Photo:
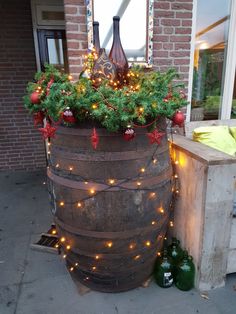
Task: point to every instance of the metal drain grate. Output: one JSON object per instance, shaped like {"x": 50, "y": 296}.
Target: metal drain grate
{"x": 48, "y": 242}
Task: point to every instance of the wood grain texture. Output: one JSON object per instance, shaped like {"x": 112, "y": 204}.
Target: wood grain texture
{"x": 127, "y": 217}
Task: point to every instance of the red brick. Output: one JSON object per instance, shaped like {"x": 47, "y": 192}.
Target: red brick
{"x": 70, "y": 10}
{"x": 180, "y": 38}
{"x": 162, "y": 5}
{"x": 187, "y": 22}
{"x": 181, "y": 6}
{"x": 168, "y": 30}
{"x": 181, "y": 61}
{"x": 76, "y": 2}
{"x": 182, "y": 46}
{"x": 76, "y": 36}
{"x": 160, "y": 38}
{"x": 170, "y": 22}
{"x": 166, "y": 14}
{"x": 183, "y": 30}
{"x": 72, "y": 27}
{"x": 179, "y": 54}
{"x": 183, "y": 15}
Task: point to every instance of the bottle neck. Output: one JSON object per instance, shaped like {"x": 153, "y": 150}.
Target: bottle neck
{"x": 116, "y": 30}
{"x": 96, "y": 40}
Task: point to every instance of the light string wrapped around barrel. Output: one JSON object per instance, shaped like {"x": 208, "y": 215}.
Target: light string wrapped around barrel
{"x": 109, "y": 184}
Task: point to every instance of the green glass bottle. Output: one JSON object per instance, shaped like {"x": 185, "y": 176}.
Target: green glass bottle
{"x": 164, "y": 271}
{"x": 175, "y": 251}
{"x": 185, "y": 273}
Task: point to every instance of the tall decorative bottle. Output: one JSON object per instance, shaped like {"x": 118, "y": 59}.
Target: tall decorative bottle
{"x": 117, "y": 54}
{"x": 96, "y": 40}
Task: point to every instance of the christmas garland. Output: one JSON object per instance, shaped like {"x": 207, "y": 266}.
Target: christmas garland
{"x": 139, "y": 103}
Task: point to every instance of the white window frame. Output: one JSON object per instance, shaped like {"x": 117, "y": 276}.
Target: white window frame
{"x": 230, "y": 64}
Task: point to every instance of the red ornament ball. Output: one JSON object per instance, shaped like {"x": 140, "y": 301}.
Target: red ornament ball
{"x": 178, "y": 118}
{"x": 68, "y": 116}
{"x": 129, "y": 134}
{"x": 35, "y": 98}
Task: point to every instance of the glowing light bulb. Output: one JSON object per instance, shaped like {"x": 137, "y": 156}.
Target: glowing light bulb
{"x": 63, "y": 239}
{"x": 70, "y": 77}
{"x": 54, "y": 231}
{"x": 153, "y": 222}
{"x": 86, "y": 182}
{"x": 79, "y": 204}
{"x": 92, "y": 191}
{"x": 158, "y": 253}
{"x": 139, "y": 183}
{"x": 161, "y": 209}
{"x": 148, "y": 243}
{"x": 132, "y": 246}
{"x": 152, "y": 194}
{"x": 44, "y": 183}
{"x": 70, "y": 168}
{"x": 57, "y": 245}
{"x": 177, "y": 192}
{"x": 97, "y": 257}
{"x": 142, "y": 170}
{"x": 141, "y": 109}
{"x": 94, "y": 268}
{"x": 68, "y": 247}
{"x": 176, "y": 162}
{"x": 94, "y": 106}
{"x": 72, "y": 268}
{"x": 49, "y": 144}
{"x": 171, "y": 224}
{"x": 109, "y": 244}
{"x": 64, "y": 256}
{"x": 175, "y": 176}
{"x": 154, "y": 160}
{"x": 57, "y": 165}
{"x": 62, "y": 203}
{"x": 137, "y": 257}
{"x": 111, "y": 181}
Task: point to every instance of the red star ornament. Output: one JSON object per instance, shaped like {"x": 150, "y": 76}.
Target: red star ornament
{"x": 94, "y": 139}
{"x": 48, "y": 131}
{"x": 155, "y": 137}
{"x": 38, "y": 118}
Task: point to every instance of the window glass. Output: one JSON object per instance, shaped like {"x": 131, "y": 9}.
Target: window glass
{"x": 209, "y": 58}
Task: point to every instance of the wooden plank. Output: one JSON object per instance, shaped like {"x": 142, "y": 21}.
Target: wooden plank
{"x": 201, "y": 152}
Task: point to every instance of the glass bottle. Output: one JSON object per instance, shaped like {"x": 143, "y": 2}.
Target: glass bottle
{"x": 117, "y": 54}
{"x": 175, "y": 251}
{"x": 96, "y": 40}
{"x": 185, "y": 273}
{"x": 164, "y": 271}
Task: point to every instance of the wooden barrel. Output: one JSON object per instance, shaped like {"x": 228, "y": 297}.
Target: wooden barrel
{"x": 111, "y": 205}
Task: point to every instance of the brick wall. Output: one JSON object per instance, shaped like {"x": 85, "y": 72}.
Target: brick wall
{"x": 171, "y": 41}
{"x": 172, "y": 36}
{"x": 76, "y": 34}
{"x": 21, "y": 146}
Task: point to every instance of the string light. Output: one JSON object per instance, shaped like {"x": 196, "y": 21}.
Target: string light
{"x": 137, "y": 257}
{"x": 70, "y": 77}
{"x": 97, "y": 257}
{"x": 109, "y": 244}
{"x": 68, "y": 247}
{"x": 86, "y": 182}
{"x": 154, "y": 160}
{"x": 79, "y": 204}
{"x": 139, "y": 183}
{"x": 63, "y": 239}
{"x": 49, "y": 144}
{"x": 176, "y": 162}
{"x": 57, "y": 165}
{"x": 94, "y": 268}
{"x": 152, "y": 195}
{"x": 70, "y": 168}
{"x": 141, "y": 109}
{"x": 171, "y": 224}
{"x": 54, "y": 231}
{"x": 57, "y": 245}
{"x": 92, "y": 191}
{"x": 142, "y": 170}
{"x": 94, "y": 106}
{"x": 158, "y": 253}
{"x": 72, "y": 268}
{"x": 153, "y": 222}
{"x": 64, "y": 256}
{"x": 161, "y": 209}
{"x": 111, "y": 181}
{"x": 176, "y": 176}
{"x": 76, "y": 264}
{"x": 44, "y": 183}
{"x": 148, "y": 243}
{"x": 132, "y": 246}
{"x": 62, "y": 203}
